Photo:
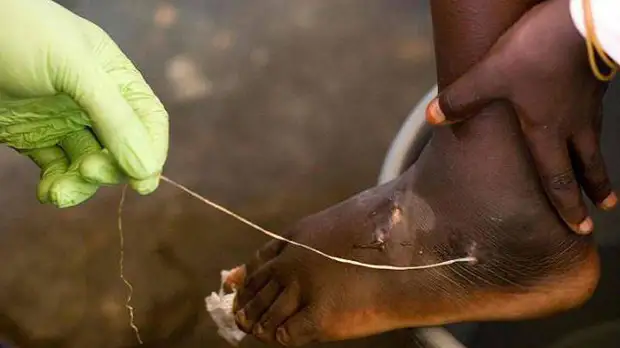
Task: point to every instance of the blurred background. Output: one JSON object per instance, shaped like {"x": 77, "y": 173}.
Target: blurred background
{"x": 278, "y": 109}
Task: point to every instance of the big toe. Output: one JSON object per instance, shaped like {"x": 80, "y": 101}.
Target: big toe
{"x": 235, "y": 278}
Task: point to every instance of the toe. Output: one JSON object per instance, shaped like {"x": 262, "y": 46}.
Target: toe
{"x": 299, "y": 330}
{"x": 235, "y": 278}
{"x": 254, "y": 282}
{"x": 265, "y": 254}
{"x": 283, "y": 308}
{"x": 254, "y": 309}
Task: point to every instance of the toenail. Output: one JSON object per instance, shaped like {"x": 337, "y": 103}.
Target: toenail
{"x": 609, "y": 202}
{"x": 259, "y": 330}
{"x": 235, "y": 277}
{"x": 241, "y": 317}
{"x": 282, "y": 336}
{"x": 586, "y": 226}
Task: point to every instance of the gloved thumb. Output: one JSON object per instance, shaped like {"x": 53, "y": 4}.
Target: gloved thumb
{"x": 114, "y": 121}
{"x": 468, "y": 94}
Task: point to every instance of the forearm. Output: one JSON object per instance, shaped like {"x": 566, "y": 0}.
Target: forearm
{"x": 464, "y": 30}
{"x": 605, "y": 15}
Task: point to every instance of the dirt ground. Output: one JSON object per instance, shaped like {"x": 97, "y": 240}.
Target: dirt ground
{"x": 278, "y": 109}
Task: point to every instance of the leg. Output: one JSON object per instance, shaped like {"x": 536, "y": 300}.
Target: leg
{"x": 466, "y": 195}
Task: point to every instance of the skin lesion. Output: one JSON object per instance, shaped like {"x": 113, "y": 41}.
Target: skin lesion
{"x": 382, "y": 233}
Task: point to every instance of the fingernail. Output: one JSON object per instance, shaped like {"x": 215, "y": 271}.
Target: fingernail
{"x": 609, "y": 202}
{"x": 586, "y": 226}
{"x": 434, "y": 115}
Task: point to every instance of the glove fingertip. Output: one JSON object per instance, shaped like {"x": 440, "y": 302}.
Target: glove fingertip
{"x": 69, "y": 191}
{"x": 146, "y": 186}
{"x": 138, "y": 167}
{"x": 43, "y": 189}
{"x": 99, "y": 168}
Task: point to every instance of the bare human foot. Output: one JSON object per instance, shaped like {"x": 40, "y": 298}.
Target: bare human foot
{"x": 528, "y": 263}
{"x": 471, "y": 193}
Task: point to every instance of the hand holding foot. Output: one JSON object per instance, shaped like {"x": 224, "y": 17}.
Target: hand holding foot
{"x": 537, "y": 66}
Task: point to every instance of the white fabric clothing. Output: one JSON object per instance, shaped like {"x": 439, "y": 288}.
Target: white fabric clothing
{"x": 606, "y": 17}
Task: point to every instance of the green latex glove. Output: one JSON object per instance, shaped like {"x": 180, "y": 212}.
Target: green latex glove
{"x": 73, "y": 102}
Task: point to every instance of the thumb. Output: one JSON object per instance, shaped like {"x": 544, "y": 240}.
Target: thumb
{"x": 114, "y": 121}
{"x": 475, "y": 89}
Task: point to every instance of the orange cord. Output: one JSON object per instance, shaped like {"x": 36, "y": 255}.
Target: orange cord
{"x": 592, "y": 43}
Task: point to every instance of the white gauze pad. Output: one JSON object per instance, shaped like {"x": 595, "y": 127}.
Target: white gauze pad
{"x": 220, "y": 307}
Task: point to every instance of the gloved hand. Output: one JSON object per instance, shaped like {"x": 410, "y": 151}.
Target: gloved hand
{"x": 73, "y": 102}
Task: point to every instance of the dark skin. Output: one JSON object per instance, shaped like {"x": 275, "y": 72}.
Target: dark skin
{"x": 561, "y": 122}
{"x": 448, "y": 205}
